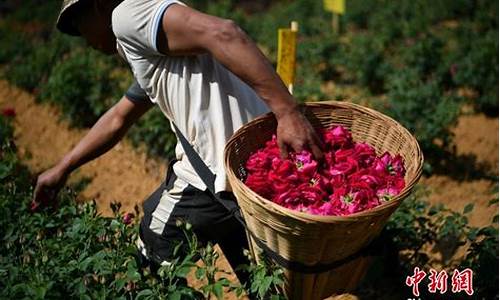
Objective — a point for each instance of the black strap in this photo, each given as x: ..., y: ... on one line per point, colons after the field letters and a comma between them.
x: 208, y: 178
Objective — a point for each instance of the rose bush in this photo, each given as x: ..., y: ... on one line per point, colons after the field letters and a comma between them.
x: 350, y: 178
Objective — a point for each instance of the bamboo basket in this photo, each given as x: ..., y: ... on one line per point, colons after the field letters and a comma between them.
x: 312, y: 239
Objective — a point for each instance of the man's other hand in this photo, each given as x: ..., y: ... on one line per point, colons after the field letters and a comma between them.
x: 47, y: 186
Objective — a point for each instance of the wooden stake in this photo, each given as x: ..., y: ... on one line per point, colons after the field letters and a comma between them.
x: 294, y: 26
x: 335, y: 23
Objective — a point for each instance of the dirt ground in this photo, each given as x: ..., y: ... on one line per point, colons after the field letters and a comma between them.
x: 468, y: 179
x: 129, y: 176
x: 122, y: 175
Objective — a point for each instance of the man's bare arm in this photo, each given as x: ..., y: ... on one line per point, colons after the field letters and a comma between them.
x: 105, y: 133
x: 187, y: 31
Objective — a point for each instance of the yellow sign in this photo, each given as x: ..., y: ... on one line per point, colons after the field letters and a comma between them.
x: 335, y: 6
x: 287, y: 39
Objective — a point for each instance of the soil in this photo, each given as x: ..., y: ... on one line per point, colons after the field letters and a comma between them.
x: 128, y: 176
x: 122, y: 175
x: 472, y: 177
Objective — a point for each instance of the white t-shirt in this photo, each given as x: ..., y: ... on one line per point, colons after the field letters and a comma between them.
x: 206, y: 101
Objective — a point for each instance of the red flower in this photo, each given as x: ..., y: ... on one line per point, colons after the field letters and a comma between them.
x: 258, y: 161
x: 289, y: 199
x: 337, y: 137
x: 306, y: 165
x: 351, y: 178
x: 347, y: 167
x: 127, y: 218
x: 453, y: 70
x: 8, y: 112
x: 259, y: 183
x: 311, y: 194
x: 398, y: 166
x: 283, y: 169
x: 364, y: 154
x: 342, y: 155
x: 366, y: 176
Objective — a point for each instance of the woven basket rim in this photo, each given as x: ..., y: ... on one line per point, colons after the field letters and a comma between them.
x: 321, y: 218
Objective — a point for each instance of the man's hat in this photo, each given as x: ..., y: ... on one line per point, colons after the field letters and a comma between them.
x: 66, y: 16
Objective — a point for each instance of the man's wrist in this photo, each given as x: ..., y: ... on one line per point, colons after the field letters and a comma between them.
x: 65, y: 166
x: 284, y: 110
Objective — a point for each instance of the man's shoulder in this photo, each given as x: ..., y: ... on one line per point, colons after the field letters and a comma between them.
x: 131, y: 16
x: 118, y: 20
x: 128, y: 6
x: 135, y: 22
x: 121, y: 20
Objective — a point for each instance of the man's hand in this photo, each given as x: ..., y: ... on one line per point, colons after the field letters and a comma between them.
x: 47, y: 186
x: 295, y: 131
x: 108, y: 131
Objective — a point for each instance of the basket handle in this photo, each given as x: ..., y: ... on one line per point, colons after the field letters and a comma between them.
x: 228, y: 201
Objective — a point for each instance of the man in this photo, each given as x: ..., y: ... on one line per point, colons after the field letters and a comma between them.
x: 208, y: 78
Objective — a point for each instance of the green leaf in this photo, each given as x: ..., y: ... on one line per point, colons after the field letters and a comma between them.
x: 495, y: 219
x: 277, y: 281
x: 9, y: 232
x: 114, y: 224
x: 468, y: 208
x: 183, y: 271
x: 177, y: 247
x: 133, y: 275
x: 175, y: 296
x: 472, y: 234
x: 85, y: 263
x: 200, y: 273
x: 119, y: 284
x: 264, y: 286
x: 218, y: 290
x: 224, y: 282
x: 144, y: 294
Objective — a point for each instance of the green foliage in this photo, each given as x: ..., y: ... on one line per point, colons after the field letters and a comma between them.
x: 12, y: 44
x: 422, y: 108
x: 8, y: 157
x: 32, y: 11
x: 403, y: 19
x: 422, y: 55
x: 75, y: 252
x: 266, y: 279
x: 363, y: 60
x: 483, y: 15
x: 482, y: 255
x: 476, y: 67
x: 82, y: 86
x: 417, y: 224
x: 50, y: 255
x: 30, y: 68
x: 153, y: 130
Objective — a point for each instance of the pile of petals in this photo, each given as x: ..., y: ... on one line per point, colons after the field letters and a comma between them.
x: 350, y: 178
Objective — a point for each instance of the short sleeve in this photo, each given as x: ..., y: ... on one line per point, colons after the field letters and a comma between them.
x: 136, y: 23
x: 136, y: 94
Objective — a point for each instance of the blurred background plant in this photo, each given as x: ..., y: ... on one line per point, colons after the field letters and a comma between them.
x: 413, y: 59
